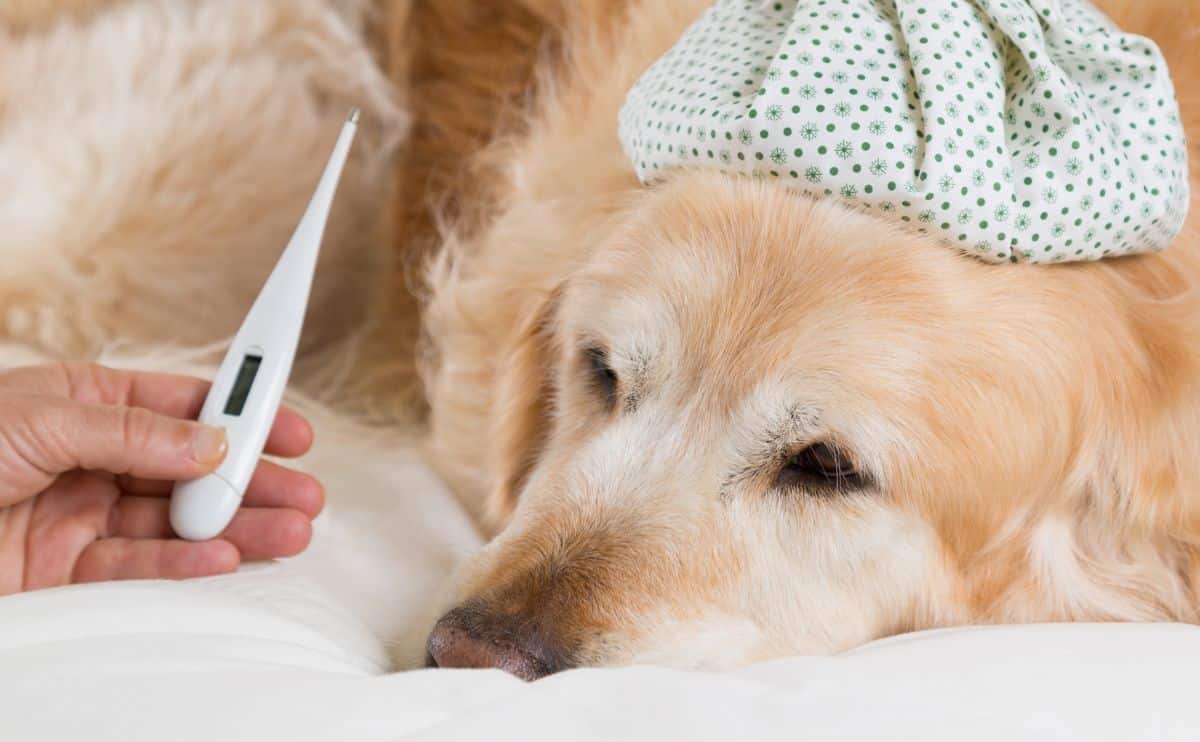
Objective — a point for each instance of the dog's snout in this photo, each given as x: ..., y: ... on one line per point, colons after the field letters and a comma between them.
x: 473, y: 637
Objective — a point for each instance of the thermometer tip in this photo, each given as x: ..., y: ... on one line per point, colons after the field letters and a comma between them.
x: 353, y: 117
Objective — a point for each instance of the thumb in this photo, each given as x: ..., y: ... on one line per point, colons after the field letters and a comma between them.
x: 65, y: 435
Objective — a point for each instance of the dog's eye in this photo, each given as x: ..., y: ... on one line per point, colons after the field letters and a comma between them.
x: 820, y: 465
x: 601, y: 374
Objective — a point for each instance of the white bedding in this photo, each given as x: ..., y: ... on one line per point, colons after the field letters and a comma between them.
x: 195, y: 663
x: 299, y: 650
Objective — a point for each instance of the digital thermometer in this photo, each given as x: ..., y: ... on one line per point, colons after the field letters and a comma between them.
x: 249, y: 384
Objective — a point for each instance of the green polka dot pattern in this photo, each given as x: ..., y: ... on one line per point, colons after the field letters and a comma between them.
x: 1017, y: 130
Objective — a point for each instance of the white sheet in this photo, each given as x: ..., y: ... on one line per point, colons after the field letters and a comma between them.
x: 214, y: 670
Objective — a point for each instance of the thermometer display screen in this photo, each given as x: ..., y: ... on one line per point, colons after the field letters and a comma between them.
x: 241, y: 385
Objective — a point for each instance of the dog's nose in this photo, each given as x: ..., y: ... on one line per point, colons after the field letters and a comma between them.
x: 472, y: 637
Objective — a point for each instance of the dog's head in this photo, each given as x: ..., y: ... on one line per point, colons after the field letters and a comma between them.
x: 754, y: 424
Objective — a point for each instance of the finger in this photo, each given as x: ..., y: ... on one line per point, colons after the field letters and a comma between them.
x: 139, y: 487
x: 275, y: 486
x: 183, y: 396
x: 57, y: 436
x: 167, y: 394
x: 291, y: 434
x: 269, y: 533
x: 140, y: 518
x: 272, y: 486
x: 257, y: 533
x: 132, y: 559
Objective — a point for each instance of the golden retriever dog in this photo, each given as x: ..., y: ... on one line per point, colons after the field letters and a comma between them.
x: 709, y: 421
x: 713, y: 421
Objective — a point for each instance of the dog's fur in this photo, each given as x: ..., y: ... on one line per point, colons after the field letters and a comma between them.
x: 1031, y: 434
x: 155, y: 156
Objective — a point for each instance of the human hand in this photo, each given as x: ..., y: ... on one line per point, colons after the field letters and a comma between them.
x: 88, y: 458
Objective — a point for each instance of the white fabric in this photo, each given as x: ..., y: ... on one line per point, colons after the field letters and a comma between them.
x: 263, y: 677
x: 1029, y: 130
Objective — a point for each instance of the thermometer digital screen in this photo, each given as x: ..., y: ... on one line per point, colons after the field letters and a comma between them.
x: 241, y: 385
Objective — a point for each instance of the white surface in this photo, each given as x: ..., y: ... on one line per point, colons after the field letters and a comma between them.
x: 178, y: 673
x: 202, y: 508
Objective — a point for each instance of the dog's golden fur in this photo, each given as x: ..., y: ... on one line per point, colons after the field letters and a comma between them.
x: 155, y: 156
x: 1032, y: 433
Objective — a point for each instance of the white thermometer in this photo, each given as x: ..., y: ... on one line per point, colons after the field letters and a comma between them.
x: 249, y: 385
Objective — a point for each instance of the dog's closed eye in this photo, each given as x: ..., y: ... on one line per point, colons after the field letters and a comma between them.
x: 601, y: 375
x: 821, y: 466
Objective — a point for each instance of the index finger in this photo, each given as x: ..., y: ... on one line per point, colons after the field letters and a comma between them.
x: 91, y: 383
x: 167, y: 394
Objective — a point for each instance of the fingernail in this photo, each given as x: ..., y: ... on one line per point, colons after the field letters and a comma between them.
x: 208, y: 444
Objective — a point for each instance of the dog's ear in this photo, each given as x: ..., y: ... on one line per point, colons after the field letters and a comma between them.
x: 523, y: 406
x: 1137, y: 521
